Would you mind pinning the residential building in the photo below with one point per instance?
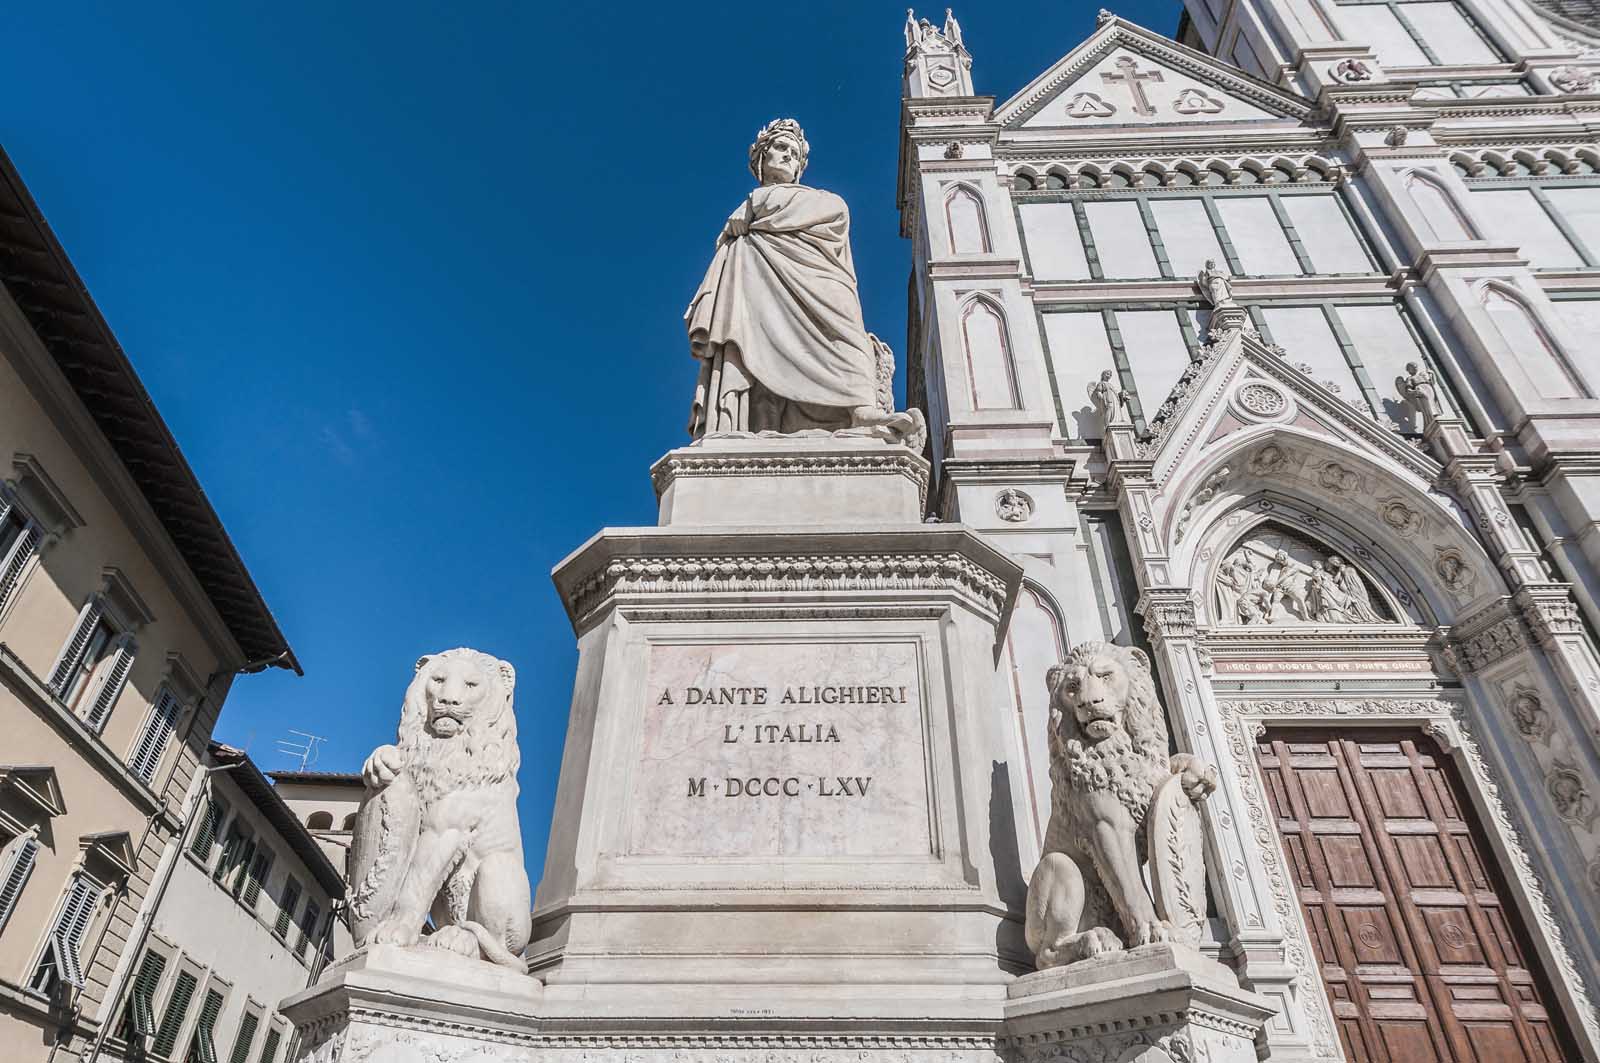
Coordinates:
(1333, 269)
(325, 802)
(251, 915)
(125, 614)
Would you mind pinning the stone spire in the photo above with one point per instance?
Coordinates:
(937, 63)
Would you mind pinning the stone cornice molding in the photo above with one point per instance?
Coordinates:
(745, 567)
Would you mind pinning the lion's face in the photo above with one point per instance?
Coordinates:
(1096, 691)
(456, 688)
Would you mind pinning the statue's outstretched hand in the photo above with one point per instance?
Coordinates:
(382, 767)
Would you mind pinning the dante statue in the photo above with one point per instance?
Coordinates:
(776, 325)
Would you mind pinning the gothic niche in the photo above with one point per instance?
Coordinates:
(1278, 578)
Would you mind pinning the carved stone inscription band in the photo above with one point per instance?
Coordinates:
(782, 749)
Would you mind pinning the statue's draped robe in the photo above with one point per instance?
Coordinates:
(777, 324)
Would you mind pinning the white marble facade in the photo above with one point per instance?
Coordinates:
(1366, 500)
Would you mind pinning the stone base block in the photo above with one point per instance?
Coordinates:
(1153, 1004)
(384, 1004)
(790, 481)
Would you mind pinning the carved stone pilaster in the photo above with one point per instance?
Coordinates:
(1487, 637)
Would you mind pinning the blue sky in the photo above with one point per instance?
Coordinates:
(407, 283)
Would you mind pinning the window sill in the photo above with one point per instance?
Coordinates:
(31, 689)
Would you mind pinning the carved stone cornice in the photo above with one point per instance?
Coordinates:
(747, 569)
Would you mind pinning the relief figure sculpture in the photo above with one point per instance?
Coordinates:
(437, 830)
(776, 324)
(1120, 803)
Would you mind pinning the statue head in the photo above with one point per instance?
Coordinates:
(780, 152)
(459, 685)
(1105, 375)
(1101, 689)
(1412, 368)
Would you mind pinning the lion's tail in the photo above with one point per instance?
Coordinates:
(493, 948)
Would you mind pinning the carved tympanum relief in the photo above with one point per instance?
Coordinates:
(1118, 800)
(437, 830)
(1275, 577)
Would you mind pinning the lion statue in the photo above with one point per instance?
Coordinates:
(1119, 801)
(437, 831)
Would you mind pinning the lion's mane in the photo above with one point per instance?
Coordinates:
(481, 755)
(1130, 762)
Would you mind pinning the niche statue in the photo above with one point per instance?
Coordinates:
(776, 325)
(1118, 802)
(437, 830)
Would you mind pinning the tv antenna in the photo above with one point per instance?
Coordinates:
(303, 745)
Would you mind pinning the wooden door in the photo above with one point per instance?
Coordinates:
(1423, 956)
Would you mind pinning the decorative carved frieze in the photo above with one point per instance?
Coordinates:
(1168, 613)
(1549, 612)
(891, 460)
(789, 575)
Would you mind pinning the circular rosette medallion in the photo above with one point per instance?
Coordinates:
(1177, 860)
(1258, 400)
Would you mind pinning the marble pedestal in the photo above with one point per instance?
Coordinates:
(1153, 1004)
(779, 788)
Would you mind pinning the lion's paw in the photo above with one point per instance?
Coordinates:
(1097, 940)
(455, 939)
(1154, 930)
(396, 933)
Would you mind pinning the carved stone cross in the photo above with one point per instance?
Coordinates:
(1134, 77)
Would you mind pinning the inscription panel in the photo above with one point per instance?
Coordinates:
(812, 749)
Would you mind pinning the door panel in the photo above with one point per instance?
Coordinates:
(1422, 958)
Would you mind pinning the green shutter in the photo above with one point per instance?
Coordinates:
(246, 1037)
(206, 833)
(202, 1046)
(258, 875)
(269, 1047)
(286, 907)
(177, 1010)
(138, 1018)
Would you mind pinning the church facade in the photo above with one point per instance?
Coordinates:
(1341, 259)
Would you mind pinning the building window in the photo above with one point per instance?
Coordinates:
(206, 832)
(203, 1043)
(245, 1038)
(269, 1046)
(16, 864)
(157, 731)
(319, 821)
(19, 542)
(62, 962)
(93, 666)
(260, 868)
(139, 1015)
(177, 1011)
(286, 908)
(237, 852)
(308, 927)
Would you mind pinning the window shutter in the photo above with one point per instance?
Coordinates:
(269, 1047)
(258, 875)
(16, 562)
(246, 1037)
(308, 927)
(138, 1018)
(243, 864)
(206, 833)
(291, 901)
(203, 1047)
(177, 1011)
(72, 925)
(66, 665)
(158, 730)
(111, 689)
(18, 867)
(230, 849)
